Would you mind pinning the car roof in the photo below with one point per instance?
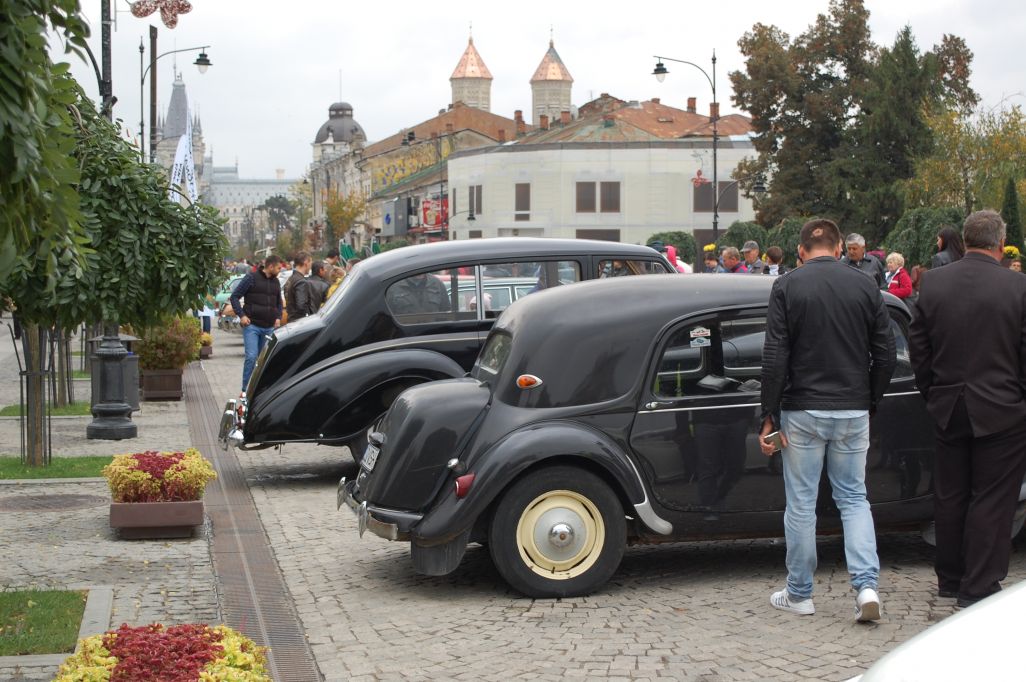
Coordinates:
(644, 303)
(420, 256)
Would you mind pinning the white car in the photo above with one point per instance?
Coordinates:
(978, 643)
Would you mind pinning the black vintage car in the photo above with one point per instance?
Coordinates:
(404, 317)
(609, 413)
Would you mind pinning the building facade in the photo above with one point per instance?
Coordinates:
(622, 172)
(239, 200)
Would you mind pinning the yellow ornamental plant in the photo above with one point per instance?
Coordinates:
(1012, 252)
(709, 247)
(159, 476)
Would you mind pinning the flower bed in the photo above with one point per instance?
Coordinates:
(153, 653)
(159, 476)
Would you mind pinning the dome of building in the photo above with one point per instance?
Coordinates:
(341, 124)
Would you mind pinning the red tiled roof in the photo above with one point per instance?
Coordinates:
(461, 117)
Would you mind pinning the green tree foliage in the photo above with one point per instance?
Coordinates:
(39, 230)
(1010, 213)
(279, 212)
(741, 232)
(838, 120)
(684, 242)
(786, 236)
(971, 159)
(342, 213)
(915, 234)
(398, 244)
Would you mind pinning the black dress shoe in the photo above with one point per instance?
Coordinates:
(965, 602)
(947, 594)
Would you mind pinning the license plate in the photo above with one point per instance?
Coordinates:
(370, 457)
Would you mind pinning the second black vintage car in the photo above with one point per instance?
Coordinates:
(401, 318)
(606, 413)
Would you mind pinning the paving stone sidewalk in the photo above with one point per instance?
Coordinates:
(167, 581)
(697, 611)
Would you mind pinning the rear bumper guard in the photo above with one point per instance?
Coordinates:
(232, 420)
(385, 523)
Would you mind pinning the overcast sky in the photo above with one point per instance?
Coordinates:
(277, 66)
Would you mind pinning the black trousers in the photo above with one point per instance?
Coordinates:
(976, 489)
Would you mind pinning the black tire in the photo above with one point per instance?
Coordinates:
(573, 499)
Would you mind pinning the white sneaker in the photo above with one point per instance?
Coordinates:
(783, 601)
(867, 605)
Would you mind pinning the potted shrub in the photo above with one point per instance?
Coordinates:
(157, 494)
(154, 653)
(164, 350)
(206, 345)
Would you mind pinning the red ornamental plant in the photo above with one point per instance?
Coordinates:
(159, 476)
(176, 654)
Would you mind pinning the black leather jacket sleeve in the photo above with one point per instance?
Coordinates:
(776, 353)
(883, 356)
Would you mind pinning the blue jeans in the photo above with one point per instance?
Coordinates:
(843, 443)
(253, 339)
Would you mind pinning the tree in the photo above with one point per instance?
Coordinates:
(1010, 213)
(786, 235)
(39, 218)
(158, 257)
(839, 121)
(971, 158)
(301, 196)
(279, 211)
(342, 213)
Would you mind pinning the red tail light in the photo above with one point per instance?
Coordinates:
(463, 484)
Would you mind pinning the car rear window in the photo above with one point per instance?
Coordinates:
(493, 355)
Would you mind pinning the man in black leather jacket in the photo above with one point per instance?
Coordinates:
(310, 292)
(827, 358)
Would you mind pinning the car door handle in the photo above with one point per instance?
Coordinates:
(656, 404)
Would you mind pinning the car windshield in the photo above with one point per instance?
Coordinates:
(340, 293)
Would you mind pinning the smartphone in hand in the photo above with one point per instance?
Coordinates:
(775, 439)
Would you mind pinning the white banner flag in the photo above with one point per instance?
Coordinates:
(184, 168)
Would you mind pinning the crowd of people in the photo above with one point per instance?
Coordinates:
(827, 360)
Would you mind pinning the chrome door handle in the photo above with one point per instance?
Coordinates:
(656, 404)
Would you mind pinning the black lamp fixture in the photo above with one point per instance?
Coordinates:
(660, 72)
(203, 62)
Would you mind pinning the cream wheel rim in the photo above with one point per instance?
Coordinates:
(560, 534)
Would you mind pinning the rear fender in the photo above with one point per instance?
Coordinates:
(500, 466)
(333, 403)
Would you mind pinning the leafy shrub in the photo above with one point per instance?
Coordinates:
(741, 232)
(169, 345)
(684, 242)
(153, 653)
(206, 339)
(159, 476)
(915, 234)
(786, 236)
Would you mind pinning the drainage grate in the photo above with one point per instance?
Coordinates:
(255, 599)
(50, 503)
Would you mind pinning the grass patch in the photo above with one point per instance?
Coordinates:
(72, 410)
(81, 374)
(40, 621)
(60, 467)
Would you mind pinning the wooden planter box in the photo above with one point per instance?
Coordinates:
(206, 351)
(161, 384)
(155, 520)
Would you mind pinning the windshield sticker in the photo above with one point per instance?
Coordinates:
(700, 342)
(699, 332)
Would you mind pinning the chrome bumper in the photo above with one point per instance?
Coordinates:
(365, 515)
(232, 420)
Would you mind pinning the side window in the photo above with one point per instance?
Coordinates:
(742, 347)
(503, 283)
(682, 361)
(426, 297)
(903, 368)
(622, 268)
(712, 356)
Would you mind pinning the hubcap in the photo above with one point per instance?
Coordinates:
(560, 534)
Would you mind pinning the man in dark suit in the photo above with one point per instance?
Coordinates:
(968, 348)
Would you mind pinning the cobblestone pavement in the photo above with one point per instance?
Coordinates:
(697, 611)
(170, 581)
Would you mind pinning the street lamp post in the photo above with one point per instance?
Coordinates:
(660, 74)
(202, 63)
